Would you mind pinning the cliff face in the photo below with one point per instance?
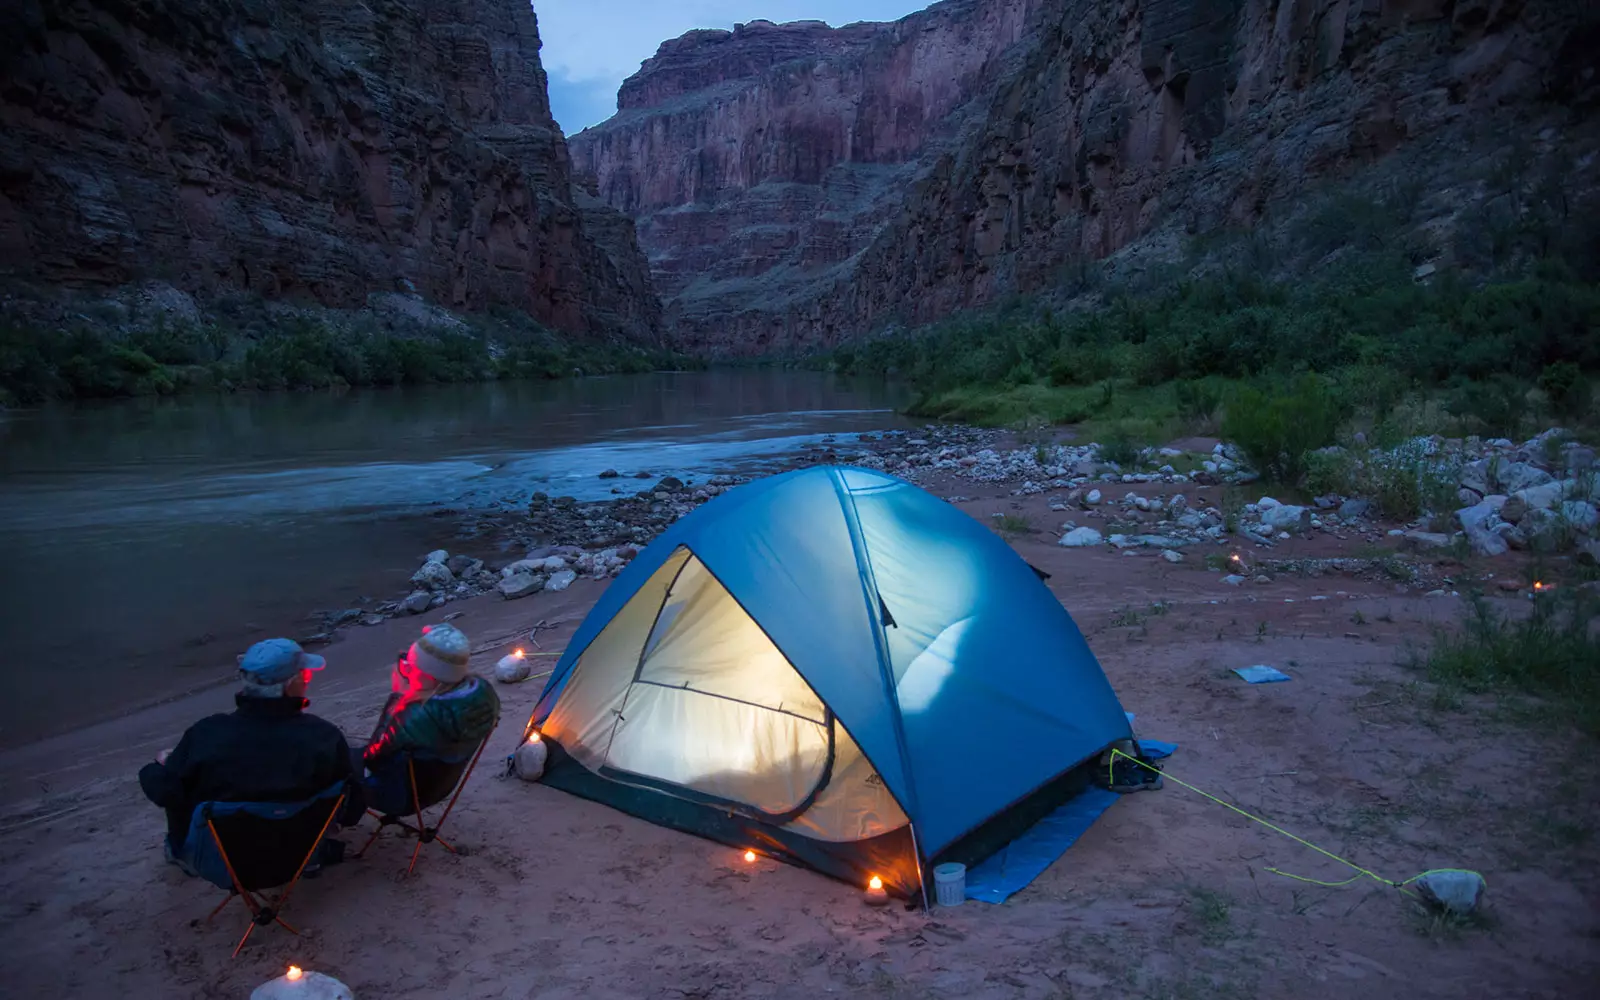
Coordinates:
(996, 140)
(320, 150)
(758, 161)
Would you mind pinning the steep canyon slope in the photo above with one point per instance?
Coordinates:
(796, 185)
(317, 150)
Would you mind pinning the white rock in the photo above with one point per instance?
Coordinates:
(529, 760)
(1580, 514)
(434, 575)
(1094, 497)
(1543, 496)
(309, 986)
(1456, 891)
(520, 585)
(1141, 503)
(1172, 555)
(417, 602)
(560, 580)
(1517, 476)
(1476, 522)
(554, 564)
(438, 556)
(512, 668)
(1267, 502)
(1281, 517)
(1233, 579)
(529, 567)
(1079, 538)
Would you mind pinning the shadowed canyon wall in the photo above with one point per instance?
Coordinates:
(309, 150)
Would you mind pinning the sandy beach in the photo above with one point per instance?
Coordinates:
(1167, 896)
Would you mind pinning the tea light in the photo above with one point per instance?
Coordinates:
(876, 894)
(297, 984)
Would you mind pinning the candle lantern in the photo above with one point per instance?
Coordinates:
(298, 984)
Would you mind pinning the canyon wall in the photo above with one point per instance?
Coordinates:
(896, 173)
(318, 151)
(758, 162)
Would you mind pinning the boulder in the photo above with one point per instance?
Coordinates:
(1427, 539)
(1513, 509)
(1172, 555)
(437, 556)
(434, 575)
(1477, 522)
(1541, 497)
(520, 585)
(1515, 476)
(1233, 579)
(531, 567)
(1079, 538)
(1581, 515)
(1452, 890)
(1475, 476)
(610, 474)
(1094, 497)
(463, 566)
(1352, 510)
(560, 580)
(1468, 497)
(1283, 517)
(417, 602)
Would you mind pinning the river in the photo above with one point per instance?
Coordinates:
(149, 541)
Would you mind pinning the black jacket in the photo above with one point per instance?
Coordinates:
(268, 750)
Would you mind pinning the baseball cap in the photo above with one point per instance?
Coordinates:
(273, 661)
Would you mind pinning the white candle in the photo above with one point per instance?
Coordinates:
(297, 984)
(876, 894)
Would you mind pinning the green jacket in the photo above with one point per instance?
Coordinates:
(449, 723)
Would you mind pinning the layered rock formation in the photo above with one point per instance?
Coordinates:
(318, 150)
(995, 141)
(758, 162)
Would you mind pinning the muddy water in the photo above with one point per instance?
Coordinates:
(146, 543)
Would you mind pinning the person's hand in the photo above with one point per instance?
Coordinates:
(161, 758)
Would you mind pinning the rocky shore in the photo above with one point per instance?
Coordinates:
(1538, 495)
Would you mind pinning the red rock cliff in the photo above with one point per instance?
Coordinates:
(314, 149)
(755, 161)
(897, 173)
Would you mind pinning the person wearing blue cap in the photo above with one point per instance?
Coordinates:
(269, 749)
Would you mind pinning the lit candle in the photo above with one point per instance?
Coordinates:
(513, 667)
(749, 856)
(876, 894)
(297, 984)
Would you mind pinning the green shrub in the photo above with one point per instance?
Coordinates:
(1567, 389)
(1551, 652)
(1279, 428)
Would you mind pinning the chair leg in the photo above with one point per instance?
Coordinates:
(375, 833)
(225, 901)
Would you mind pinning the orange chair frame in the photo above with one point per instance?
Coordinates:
(425, 834)
(264, 912)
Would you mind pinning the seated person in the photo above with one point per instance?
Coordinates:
(269, 749)
(437, 710)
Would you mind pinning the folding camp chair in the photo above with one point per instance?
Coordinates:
(248, 847)
(423, 783)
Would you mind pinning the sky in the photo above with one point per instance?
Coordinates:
(591, 46)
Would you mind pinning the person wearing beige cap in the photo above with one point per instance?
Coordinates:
(436, 705)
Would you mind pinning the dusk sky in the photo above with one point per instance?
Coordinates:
(591, 46)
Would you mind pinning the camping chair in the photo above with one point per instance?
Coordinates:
(248, 847)
(422, 783)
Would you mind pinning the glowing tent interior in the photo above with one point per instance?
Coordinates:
(836, 668)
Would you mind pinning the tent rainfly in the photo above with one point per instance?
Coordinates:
(836, 668)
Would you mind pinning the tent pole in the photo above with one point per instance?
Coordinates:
(916, 853)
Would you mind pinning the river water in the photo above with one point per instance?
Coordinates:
(147, 542)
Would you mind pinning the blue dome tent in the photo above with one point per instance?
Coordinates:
(833, 667)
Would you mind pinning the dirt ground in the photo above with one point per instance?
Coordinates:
(1166, 897)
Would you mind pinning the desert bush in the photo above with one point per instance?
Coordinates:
(1278, 428)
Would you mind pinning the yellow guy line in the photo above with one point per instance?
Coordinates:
(1360, 871)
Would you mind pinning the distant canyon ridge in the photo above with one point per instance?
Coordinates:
(774, 188)
(796, 185)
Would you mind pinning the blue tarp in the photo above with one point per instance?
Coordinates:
(1015, 866)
